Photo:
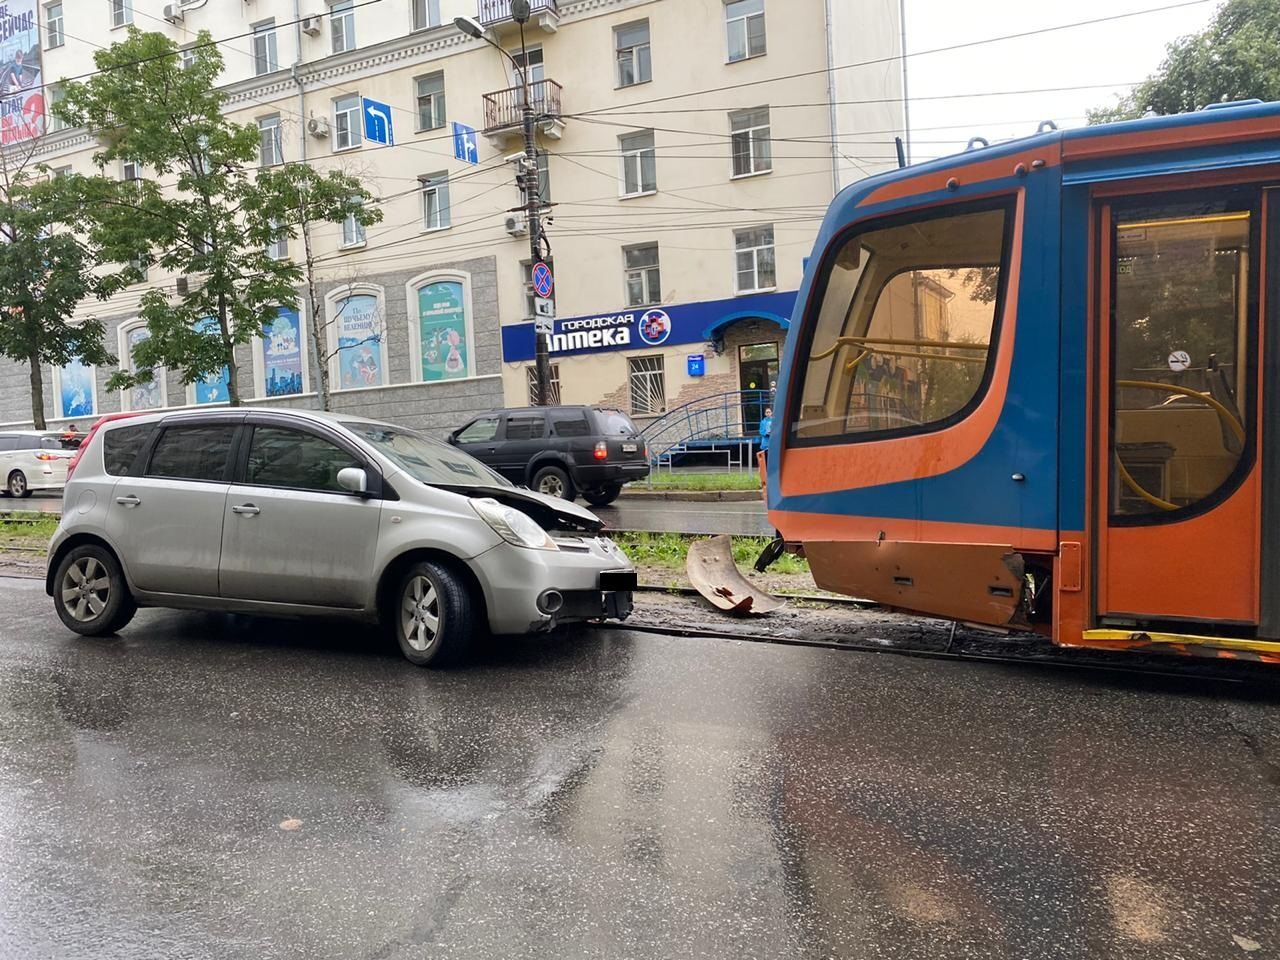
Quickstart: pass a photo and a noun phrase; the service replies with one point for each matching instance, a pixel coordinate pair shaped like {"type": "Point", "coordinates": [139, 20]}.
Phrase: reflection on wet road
{"type": "Point", "coordinates": [612, 795]}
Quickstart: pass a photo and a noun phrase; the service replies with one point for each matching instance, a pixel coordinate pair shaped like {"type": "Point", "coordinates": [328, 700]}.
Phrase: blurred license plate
{"type": "Point", "coordinates": [630, 447]}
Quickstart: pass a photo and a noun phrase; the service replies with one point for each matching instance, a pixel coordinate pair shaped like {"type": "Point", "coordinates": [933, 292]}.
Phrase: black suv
{"type": "Point", "coordinates": [561, 451]}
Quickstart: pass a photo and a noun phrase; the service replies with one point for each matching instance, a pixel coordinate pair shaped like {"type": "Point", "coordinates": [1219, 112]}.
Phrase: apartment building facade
{"type": "Point", "coordinates": [688, 149]}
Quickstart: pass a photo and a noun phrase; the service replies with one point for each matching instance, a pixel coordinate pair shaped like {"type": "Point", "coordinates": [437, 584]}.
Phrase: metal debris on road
{"type": "Point", "coordinates": [714, 575]}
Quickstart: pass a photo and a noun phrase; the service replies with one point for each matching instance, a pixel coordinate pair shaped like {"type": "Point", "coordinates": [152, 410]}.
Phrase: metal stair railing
{"type": "Point", "coordinates": [722, 417]}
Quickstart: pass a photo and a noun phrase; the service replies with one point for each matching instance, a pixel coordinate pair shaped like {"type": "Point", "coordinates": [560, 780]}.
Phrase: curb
{"type": "Point", "coordinates": [695, 496]}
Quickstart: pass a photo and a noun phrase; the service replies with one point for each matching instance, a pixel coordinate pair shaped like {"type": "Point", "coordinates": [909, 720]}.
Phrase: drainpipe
{"type": "Point", "coordinates": [906, 101]}
{"type": "Point", "coordinates": [831, 100]}
{"type": "Point", "coordinates": [297, 79]}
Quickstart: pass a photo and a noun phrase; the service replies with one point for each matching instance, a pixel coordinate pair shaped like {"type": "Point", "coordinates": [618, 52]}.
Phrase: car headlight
{"type": "Point", "coordinates": [512, 525]}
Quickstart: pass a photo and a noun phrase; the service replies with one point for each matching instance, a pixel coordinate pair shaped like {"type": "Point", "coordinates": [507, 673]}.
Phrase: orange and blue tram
{"type": "Point", "coordinates": [1037, 386]}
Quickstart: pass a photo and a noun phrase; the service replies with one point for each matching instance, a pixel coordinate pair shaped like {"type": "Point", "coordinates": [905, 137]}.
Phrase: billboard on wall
{"type": "Point", "coordinates": [442, 325]}
{"type": "Point", "coordinates": [21, 94]}
{"type": "Point", "coordinates": [282, 355]}
{"type": "Point", "coordinates": [359, 342]}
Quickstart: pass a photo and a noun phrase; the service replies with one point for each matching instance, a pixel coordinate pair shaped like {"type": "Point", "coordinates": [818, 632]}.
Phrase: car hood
{"type": "Point", "coordinates": [550, 513]}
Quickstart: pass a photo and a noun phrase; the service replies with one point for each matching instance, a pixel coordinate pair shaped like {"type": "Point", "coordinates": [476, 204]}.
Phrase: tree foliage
{"type": "Point", "coordinates": [203, 209]}
{"type": "Point", "coordinates": [1237, 57]}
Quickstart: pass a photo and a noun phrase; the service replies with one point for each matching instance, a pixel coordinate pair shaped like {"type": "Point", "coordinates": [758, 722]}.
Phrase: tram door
{"type": "Point", "coordinates": [1178, 485]}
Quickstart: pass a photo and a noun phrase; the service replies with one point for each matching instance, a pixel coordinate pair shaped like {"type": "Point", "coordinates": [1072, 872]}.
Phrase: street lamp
{"type": "Point", "coordinates": [532, 178]}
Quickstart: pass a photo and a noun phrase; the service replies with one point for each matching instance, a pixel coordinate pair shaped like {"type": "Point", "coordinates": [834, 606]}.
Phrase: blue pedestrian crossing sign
{"type": "Point", "coordinates": [543, 283]}
{"type": "Point", "coordinates": [377, 122]}
{"type": "Point", "coordinates": [466, 146]}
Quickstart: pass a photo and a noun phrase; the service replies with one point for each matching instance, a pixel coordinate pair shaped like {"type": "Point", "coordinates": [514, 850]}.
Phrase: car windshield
{"type": "Point", "coordinates": [430, 461]}
{"type": "Point", "coordinates": [617, 424]}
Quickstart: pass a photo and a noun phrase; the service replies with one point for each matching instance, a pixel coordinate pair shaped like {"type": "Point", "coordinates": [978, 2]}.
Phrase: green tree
{"type": "Point", "coordinates": [1237, 57]}
{"type": "Point", "coordinates": [46, 271]}
{"type": "Point", "coordinates": [204, 210]}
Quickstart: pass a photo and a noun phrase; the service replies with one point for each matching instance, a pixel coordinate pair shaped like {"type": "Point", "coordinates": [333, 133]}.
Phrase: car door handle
{"type": "Point", "coordinates": [128, 501]}
{"type": "Point", "coordinates": [246, 510]}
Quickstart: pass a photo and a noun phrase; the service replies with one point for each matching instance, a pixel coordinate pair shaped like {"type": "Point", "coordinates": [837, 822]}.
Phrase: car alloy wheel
{"type": "Point", "coordinates": [17, 483]}
{"type": "Point", "coordinates": [551, 485]}
{"type": "Point", "coordinates": [420, 614]}
{"type": "Point", "coordinates": [86, 589]}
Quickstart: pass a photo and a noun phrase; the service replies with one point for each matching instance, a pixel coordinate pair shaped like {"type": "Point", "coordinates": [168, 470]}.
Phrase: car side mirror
{"type": "Point", "coordinates": [354, 480]}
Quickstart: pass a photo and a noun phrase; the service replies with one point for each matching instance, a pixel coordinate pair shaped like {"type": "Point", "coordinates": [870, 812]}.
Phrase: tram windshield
{"type": "Point", "coordinates": [903, 336]}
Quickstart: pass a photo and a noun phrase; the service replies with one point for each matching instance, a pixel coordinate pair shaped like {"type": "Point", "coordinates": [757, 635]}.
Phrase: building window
{"type": "Point", "coordinates": [358, 334]}
{"type": "Point", "coordinates": [342, 26]}
{"type": "Point", "coordinates": [435, 201]}
{"type": "Point", "coordinates": [644, 281]}
{"type": "Point", "coordinates": [146, 396]}
{"type": "Point", "coordinates": [744, 21]}
{"type": "Point", "coordinates": [346, 122]}
{"type": "Point", "coordinates": [186, 57]}
{"type": "Point", "coordinates": [352, 232]}
{"type": "Point", "coordinates": [57, 92]}
{"type": "Point", "coordinates": [54, 37]}
{"type": "Point", "coordinates": [752, 152]}
{"type": "Point", "coordinates": [130, 170]}
{"type": "Point", "coordinates": [121, 13]}
{"type": "Point", "coordinates": [553, 385]}
{"type": "Point", "coordinates": [526, 268]}
{"type": "Point", "coordinates": [264, 48]}
{"type": "Point", "coordinates": [631, 45]}
{"type": "Point", "coordinates": [270, 150]}
{"type": "Point", "coordinates": [757, 267]}
{"type": "Point", "coordinates": [431, 110]}
{"type": "Point", "coordinates": [60, 172]}
{"type": "Point", "coordinates": [139, 266]}
{"type": "Point", "coordinates": [639, 163]}
{"type": "Point", "coordinates": [648, 385]}
{"type": "Point", "coordinates": [426, 14]}
{"type": "Point", "coordinates": [440, 334]}
{"type": "Point", "coordinates": [278, 249]}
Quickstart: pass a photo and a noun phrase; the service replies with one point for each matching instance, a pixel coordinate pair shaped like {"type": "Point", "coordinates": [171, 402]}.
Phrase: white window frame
{"type": "Point", "coordinates": [435, 185]}
{"type": "Point", "coordinates": [439, 102]}
{"type": "Point", "coordinates": [633, 54]}
{"type": "Point", "coordinates": [55, 27]}
{"type": "Point", "coordinates": [271, 123]}
{"type": "Point", "coordinates": [186, 57]}
{"type": "Point", "coordinates": [331, 300]}
{"type": "Point", "coordinates": [130, 170]}
{"type": "Point", "coordinates": [360, 237]}
{"type": "Point", "coordinates": [754, 250]}
{"type": "Point", "coordinates": [56, 92]}
{"type": "Point", "coordinates": [759, 145]}
{"type": "Point", "coordinates": [355, 133]}
{"type": "Point", "coordinates": [121, 13]}
{"type": "Point", "coordinates": [660, 375]}
{"type": "Point", "coordinates": [744, 22]}
{"type": "Point", "coordinates": [304, 346]}
{"type": "Point", "coordinates": [635, 155]}
{"type": "Point", "coordinates": [342, 23]}
{"type": "Point", "coordinates": [158, 375]}
{"type": "Point", "coordinates": [55, 378]}
{"type": "Point", "coordinates": [646, 274]}
{"type": "Point", "coordinates": [424, 14]}
{"type": "Point", "coordinates": [411, 309]}
{"type": "Point", "coordinates": [278, 249]}
{"type": "Point", "coordinates": [266, 54]}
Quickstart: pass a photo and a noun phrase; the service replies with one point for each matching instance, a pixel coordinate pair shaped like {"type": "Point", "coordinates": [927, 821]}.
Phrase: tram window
{"type": "Point", "coordinates": [903, 337]}
{"type": "Point", "coordinates": [1180, 367]}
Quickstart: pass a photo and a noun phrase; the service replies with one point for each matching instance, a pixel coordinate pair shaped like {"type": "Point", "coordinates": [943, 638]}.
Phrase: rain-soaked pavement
{"type": "Point", "coordinates": [614, 795]}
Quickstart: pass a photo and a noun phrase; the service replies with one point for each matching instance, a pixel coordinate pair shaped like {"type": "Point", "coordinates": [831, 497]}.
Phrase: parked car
{"type": "Point", "coordinates": [292, 512]}
{"type": "Point", "coordinates": [34, 460]}
{"type": "Point", "coordinates": [559, 451]}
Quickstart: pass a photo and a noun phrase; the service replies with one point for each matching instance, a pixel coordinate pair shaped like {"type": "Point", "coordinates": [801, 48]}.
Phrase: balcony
{"type": "Point", "coordinates": [504, 112]}
{"type": "Point", "coordinates": [495, 15]}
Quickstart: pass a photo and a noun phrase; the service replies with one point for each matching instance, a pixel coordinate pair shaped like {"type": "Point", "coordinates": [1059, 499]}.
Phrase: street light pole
{"type": "Point", "coordinates": [530, 179]}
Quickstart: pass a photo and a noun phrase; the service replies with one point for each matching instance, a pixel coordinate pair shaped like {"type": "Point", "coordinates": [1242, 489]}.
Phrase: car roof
{"type": "Point", "coordinates": [188, 414]}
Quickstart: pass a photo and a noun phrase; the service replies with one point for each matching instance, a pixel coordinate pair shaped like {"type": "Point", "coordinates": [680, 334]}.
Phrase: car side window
{"type": "Point", "coordinates": [195, 452]}
{"type": "Point", "coordinates": [121, 446]}
{"type": "Point", "coordinates": [526, 426]}
{"type": "Point", "coordinates": [280, 457]}
{"type": "Point", "coordinates": [570, 425]}
{"type": "Point", "coordinates": [8, 443]}
{"type": "Point", "coordinates": [483, 430]}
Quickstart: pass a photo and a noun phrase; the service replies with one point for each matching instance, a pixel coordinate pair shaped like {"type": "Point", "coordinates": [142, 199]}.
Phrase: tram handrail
{"type": "Point", "coordinates": [896, 342]}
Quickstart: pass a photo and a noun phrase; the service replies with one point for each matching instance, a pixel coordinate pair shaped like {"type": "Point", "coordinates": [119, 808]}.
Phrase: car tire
{"type": "Point", "coordinates": [16, 485]}
{"type": "Point", "coordinates": [604, 496]}
{"type": "Point", "coordinates": [432, 593]}
{"type": "Point", "coordinates": [555, 481]}
{"type": "Point", "coordinates": [90, 576]}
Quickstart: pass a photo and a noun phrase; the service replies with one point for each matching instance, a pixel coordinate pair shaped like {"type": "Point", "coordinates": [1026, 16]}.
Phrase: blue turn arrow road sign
{"type": "Point", "coordinates": [466, 146]}
{"type": "Point", "coordinates": [543, 283]}
{"type": "Point", "coordinates": [377, 122]}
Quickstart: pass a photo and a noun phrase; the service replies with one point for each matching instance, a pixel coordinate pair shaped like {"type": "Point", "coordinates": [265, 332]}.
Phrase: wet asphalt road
{"type": "Point", "coordinates": [740, 519]}
{"type": "Point", "coordinates": [614, 795]}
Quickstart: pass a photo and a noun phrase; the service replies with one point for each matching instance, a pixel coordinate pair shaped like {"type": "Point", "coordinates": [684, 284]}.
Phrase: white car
{"type": "Point", "coordinates": [34, 460]}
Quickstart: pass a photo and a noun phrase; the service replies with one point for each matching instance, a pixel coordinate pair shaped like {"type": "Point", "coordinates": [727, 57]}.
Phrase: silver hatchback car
{"type": "Point", "coordinates": [285, 513]}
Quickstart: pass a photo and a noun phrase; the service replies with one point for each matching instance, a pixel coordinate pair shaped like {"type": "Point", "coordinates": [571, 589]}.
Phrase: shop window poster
{"type": "Point", "coordinates": [75, 390]}
{"type": "Point", "coordinates": [282, 355]}
{"type": "Point", "coordinates": [212, 387]}
{"type": "Point", "coordinates": [359, 342]}
{"type": "Point", "coordinates": [145, 396]}
{"type": "Point", "coordinates": [442, 328]}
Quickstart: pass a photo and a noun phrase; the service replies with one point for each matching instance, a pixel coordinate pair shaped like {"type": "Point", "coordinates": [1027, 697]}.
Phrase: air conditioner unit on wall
{"type": "Point", "coordinates": [172, 12]}
{"type": "Point", "coordinates": [517, 225]}
{"type": "Point", "coordinates": [318, 127]}
{"type": "Point", "coordinates": [311, 26]}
